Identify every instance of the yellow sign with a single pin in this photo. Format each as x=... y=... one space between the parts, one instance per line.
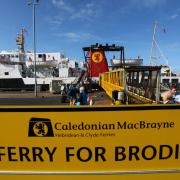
x=156 y=176
x=97 y=57
x=90 y=140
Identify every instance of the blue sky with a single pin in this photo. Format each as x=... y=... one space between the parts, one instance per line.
x=68 y=25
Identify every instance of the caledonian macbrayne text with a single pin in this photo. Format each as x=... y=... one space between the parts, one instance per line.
x=113 y=126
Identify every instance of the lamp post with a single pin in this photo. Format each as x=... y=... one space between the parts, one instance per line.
x=34 y=4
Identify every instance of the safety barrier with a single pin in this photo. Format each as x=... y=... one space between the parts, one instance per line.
x=113 y=81
x=132 y=85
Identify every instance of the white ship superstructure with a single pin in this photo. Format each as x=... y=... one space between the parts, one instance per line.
x=10 y=65
x=169 y=78
x=17 y=70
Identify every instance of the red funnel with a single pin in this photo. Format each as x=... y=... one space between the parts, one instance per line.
x=97 y=63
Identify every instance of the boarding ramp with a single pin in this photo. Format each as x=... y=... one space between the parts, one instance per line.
x=80 y=79
x=133 y=85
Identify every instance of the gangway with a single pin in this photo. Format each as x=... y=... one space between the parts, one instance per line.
x=130 y=85
x=80 y=79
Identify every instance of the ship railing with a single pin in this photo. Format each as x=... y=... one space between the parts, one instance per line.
x=132 y=85
x=112 y=81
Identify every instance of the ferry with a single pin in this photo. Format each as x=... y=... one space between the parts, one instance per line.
x=17 y=68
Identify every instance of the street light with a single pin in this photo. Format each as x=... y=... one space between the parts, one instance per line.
x=34 y=4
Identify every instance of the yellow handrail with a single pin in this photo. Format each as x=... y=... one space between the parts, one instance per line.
x=116 y=81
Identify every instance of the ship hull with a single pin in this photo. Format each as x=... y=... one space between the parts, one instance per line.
x=17 y=84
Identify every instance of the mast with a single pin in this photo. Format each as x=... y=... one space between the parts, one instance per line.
x=20 y=41
x=155 y=47
x=153 y=57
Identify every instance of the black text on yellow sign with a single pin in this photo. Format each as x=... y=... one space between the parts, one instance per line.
x=86 y=154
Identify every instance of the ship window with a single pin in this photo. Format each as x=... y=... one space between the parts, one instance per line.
x=174 y=80
x=17 y=56
x=39 y=55
x=6 y=73
x=165 y=80
x=76 y=64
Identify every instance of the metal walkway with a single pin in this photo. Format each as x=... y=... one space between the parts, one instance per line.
x=139 y=84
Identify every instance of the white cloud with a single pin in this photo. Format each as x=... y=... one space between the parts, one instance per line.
x=56 y=20
x=132 y=5
x=148 y=3
x=174 y=16
x=62 y=5
x=86 y=13
x=75 y=37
